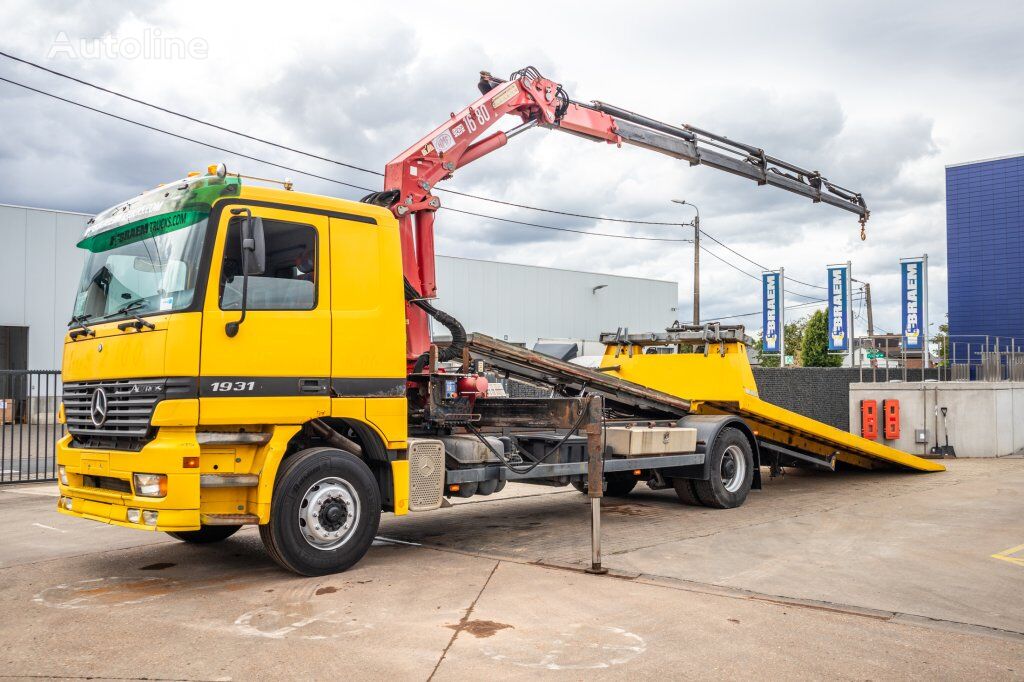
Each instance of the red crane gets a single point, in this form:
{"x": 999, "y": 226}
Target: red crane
{"x": 410, "y": 178}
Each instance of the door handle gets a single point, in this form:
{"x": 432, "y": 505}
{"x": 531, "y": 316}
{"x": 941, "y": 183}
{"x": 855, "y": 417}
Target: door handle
{"x": 317, "y": 386}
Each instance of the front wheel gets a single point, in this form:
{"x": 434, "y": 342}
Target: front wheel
{"x": 205, "y": 535}
{"x": 731, "y": 466}
{"x": 324, "y": 512}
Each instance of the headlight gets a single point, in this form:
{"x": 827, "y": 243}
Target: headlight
{"x": 63, "y": 474}
{"x": 67, "y": 503}
{"x": 150, "y": 485}
{"x": 133, "y": 515}
{"x": 149, "y": 517}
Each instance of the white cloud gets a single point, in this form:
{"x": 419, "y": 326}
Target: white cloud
{"x": 878, "y": 98}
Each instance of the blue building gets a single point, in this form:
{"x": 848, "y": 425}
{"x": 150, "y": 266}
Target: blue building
{"x": 985, "y": 250}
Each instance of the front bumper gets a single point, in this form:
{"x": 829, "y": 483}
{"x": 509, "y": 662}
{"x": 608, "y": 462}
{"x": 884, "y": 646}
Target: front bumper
{"x": 178, "y": 511}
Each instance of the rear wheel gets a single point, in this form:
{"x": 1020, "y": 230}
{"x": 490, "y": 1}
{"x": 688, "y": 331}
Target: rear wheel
{"x": 616, "y": 484}
{"x": 731, "y": 466}
{"x": 205, "y": 534}
{"x": 324, "y": 512}
{"x": 686, "y": 492}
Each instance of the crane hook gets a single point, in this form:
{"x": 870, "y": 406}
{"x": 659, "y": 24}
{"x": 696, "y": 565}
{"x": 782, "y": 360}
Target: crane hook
{"x": 863, "y": 230}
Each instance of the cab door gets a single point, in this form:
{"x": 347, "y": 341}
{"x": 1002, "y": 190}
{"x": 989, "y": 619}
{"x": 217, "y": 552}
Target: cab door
{"x": 277, "y": 368}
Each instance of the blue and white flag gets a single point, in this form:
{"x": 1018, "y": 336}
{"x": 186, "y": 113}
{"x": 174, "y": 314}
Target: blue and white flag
{"x": 838, "y": 307}
{"x": 770, "y": 312}
{"x": 913, "y": 278}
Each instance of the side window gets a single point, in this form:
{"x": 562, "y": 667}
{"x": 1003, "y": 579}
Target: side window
{"x": 289, "y": 281}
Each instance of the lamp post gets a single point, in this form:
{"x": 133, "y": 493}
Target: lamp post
{"x": 696, "y": 258}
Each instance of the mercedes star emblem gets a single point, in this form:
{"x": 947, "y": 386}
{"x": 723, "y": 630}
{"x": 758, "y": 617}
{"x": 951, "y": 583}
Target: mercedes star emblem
{"x": 98, "y": 408}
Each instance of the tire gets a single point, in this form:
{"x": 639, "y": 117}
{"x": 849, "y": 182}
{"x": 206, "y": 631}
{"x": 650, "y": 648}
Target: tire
{"x": 616, "y": 484}
{"x": 732, "y": 471}
{"x": 205, "y": 535}
{"x": 686, "y": 492}
{"x": 324, "y": 512}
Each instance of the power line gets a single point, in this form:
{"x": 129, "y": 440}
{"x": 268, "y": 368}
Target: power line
{"x": 323, "y": 177}
{"x": 351, "y": 166}
{"x": 318, "y": 157}
{"x": 744, "y": 272}
{"x": 759, "y": 312}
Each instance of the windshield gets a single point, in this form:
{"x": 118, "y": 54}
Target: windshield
{"x": 159, "y": 271}
{"x": 144, "y": 255}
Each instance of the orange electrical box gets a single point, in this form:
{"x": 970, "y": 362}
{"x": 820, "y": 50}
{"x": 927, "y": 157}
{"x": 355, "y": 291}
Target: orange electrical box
{"x": 891, "y": 412}
{"x": 869, "y": 419}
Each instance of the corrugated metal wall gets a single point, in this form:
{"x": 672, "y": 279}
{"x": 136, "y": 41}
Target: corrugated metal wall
{"x": 39, "y": 270}
{"x": 522, "y": 303}
{"x": 40, "y": 266}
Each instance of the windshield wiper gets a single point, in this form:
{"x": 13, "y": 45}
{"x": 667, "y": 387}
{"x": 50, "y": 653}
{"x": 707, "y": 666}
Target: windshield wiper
{"x": 138, "y": 323}
{"x": 79, "y": 327}
{"x": 126, "y": 308}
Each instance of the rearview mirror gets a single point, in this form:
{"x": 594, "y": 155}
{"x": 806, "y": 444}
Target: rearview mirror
{"x": 254, "y": 252}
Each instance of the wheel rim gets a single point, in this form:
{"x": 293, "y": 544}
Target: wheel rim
{"x": 329, "y": 513}
{"x": 734, "y": 468}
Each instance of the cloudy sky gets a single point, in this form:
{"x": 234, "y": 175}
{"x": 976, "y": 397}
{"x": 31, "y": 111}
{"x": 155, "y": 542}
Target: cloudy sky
{"x": 878, "y": 96}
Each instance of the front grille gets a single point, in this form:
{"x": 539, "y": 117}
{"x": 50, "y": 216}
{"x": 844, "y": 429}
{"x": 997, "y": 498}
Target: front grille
{"x": 129, "y": 410}
{"x": 107, "y": 483}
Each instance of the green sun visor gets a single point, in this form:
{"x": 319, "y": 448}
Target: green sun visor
{"x": 165, "y": 209}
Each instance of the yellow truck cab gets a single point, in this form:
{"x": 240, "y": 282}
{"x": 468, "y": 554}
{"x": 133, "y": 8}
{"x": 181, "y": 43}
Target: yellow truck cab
{"x": 181, "y": 404}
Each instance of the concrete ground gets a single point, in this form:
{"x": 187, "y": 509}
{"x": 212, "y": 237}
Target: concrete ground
{"x": 851, "y": 575}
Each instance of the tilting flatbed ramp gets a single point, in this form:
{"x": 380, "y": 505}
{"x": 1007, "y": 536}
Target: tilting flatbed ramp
{"x": 718, "y": 381}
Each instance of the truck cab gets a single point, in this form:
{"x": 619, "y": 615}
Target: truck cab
{"x": 194, "y": 365}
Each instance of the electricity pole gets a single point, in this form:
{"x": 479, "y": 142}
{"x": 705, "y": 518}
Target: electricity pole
{"x": 696, "y": 259}
{"x": 871, "y": 317}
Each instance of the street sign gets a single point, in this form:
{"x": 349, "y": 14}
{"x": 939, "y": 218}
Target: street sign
{"x": 875, "y": 354}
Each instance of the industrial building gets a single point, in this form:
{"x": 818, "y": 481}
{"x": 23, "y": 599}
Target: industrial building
{"x": 40, "y": 267}
{"x": 985, "y": 251}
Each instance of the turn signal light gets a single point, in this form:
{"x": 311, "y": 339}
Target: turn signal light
{"x": 637, "y": 472}
{"x": 453, "y": 488}
{"x": 189, "y": 462}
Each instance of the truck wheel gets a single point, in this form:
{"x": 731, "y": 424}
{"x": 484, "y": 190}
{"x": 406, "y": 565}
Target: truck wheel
{"x": 324, "y": 512}
{"x": 732, "y": 470}
{"x": 616, "y": 484}
{"x": 686, "y": 492}
{"x": 205, "y": 534}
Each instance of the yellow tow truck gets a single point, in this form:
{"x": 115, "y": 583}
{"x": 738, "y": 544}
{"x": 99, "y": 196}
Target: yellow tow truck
{"x": 251, "y": 355}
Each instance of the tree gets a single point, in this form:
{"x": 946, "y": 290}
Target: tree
{"x": 942, "y": 341}
{"x": 815, "y": 343}
{"x": 794, "y": 340}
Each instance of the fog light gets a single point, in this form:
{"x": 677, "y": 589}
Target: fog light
{"x": 149, "y": 517}
{"x": 133, "y": 515}
{"x": 63, "y": 474}
{"x": 67, "y": 503}
{"x": 150, "y": 485}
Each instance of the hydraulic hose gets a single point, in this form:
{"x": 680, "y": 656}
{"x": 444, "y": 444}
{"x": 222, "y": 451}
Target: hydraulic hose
{"x": 458, "y": 332}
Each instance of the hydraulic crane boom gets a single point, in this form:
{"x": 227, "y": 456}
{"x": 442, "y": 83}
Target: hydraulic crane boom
{"x": 410, "y": 178}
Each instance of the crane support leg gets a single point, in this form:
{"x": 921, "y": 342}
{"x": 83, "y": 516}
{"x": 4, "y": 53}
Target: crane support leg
{"x": 595, "y": 479}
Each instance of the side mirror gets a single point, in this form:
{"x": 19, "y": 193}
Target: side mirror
{"x": 254, "y": 247}
{"x": 254, "y": 259}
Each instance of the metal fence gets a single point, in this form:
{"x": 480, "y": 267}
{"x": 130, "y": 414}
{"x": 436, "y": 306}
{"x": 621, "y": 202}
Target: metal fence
{"x": 985, "y": 358}
{"x": 29, "y": 430}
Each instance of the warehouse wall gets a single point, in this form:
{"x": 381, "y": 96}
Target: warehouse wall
{"x": 521, "y": 303}
{"x": 39, "y": 270}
